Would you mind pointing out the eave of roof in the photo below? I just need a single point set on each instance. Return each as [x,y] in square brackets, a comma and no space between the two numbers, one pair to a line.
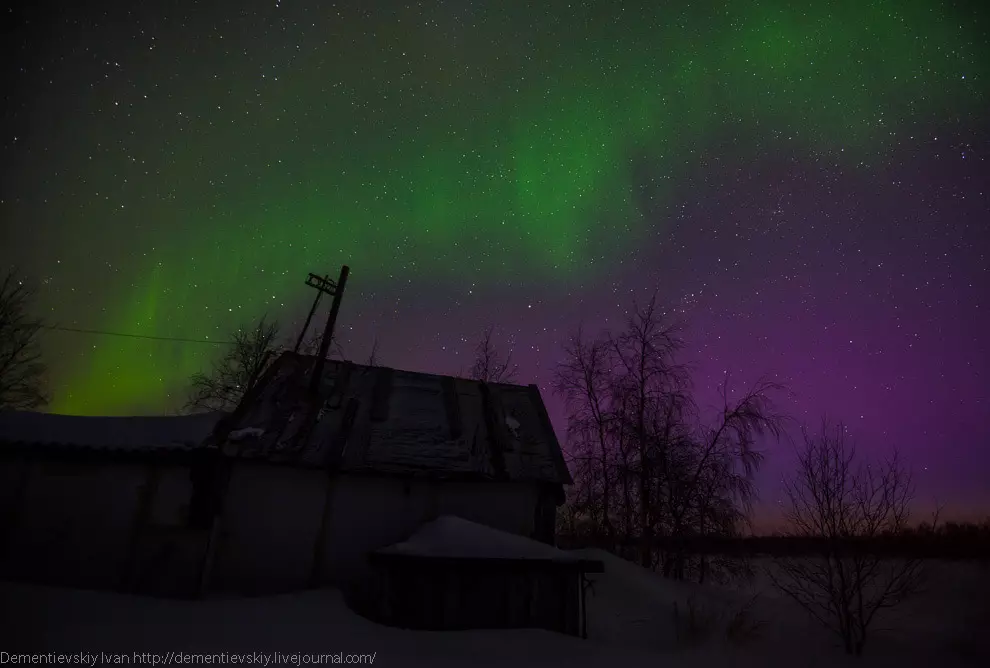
[420,562]
[455,541]
[136,434]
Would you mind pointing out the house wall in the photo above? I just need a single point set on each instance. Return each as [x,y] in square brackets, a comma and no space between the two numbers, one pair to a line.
[80,524]
[272,517]
[372,512]
[509,506]
[124,526]
[267,531]
[168,554]
[14,474]
[368,513]
[72,524]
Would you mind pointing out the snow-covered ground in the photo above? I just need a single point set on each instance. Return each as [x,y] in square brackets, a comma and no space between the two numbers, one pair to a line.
[631,619]
[943,625]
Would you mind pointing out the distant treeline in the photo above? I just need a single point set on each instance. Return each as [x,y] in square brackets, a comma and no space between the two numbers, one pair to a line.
[951,540]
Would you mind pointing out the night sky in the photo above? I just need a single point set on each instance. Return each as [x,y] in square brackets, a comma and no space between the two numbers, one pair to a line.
[805,184]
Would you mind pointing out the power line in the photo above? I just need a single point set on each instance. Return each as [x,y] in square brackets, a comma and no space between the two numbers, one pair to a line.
[136,336]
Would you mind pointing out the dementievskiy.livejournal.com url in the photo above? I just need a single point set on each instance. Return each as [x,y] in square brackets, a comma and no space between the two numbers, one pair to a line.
[184,658]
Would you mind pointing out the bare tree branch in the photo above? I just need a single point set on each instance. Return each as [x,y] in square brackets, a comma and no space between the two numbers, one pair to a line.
[236,372]
[652,386]
[642,459]
[584,380]
[311,346]
[21,369]
[844,510]
[488,365]
[373,355]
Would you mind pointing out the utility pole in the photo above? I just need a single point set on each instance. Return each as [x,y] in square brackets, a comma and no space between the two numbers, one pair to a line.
[337,290]
[323,285]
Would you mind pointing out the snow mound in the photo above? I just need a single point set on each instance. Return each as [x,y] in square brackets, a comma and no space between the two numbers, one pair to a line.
[630,620]
[634,607]
[629,576]
[46,619]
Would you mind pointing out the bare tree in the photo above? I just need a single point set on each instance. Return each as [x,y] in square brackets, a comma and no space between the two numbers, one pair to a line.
[311,346]
[237,371]
[714,490]
[641,456]
[21,369]
[650,383]
[488,364]
[584,380]
[844,509]
[373,355]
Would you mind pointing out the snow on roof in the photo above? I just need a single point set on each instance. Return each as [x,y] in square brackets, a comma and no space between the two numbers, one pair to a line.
[456,538]
[382,420]
[111,433]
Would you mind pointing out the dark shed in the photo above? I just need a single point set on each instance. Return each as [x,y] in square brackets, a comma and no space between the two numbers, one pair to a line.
[453,574]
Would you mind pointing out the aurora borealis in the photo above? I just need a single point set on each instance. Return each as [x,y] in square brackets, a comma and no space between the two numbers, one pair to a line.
[804,183]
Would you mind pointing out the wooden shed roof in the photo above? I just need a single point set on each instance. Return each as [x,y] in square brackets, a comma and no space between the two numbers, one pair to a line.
[133,434]
[456,541]
[382,420]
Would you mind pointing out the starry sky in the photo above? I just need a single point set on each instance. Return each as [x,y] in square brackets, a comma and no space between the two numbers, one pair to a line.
[804,184]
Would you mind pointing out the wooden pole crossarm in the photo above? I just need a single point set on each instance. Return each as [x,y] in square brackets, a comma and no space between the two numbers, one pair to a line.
[322,283]
[324,286]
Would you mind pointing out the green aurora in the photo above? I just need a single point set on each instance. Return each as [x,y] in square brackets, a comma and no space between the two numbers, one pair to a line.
[385,140]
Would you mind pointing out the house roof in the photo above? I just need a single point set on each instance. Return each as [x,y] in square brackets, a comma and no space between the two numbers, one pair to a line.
[129,434]
[382,420]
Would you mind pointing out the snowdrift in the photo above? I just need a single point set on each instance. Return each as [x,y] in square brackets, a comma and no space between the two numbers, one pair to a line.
[630,619]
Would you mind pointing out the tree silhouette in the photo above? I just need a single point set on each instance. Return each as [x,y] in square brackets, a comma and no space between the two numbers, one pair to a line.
[651,391]
[21,369]
[584,381]
[236,372]
[311,346]
[846,510]
[651,475]
[373,355]
[488,363]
